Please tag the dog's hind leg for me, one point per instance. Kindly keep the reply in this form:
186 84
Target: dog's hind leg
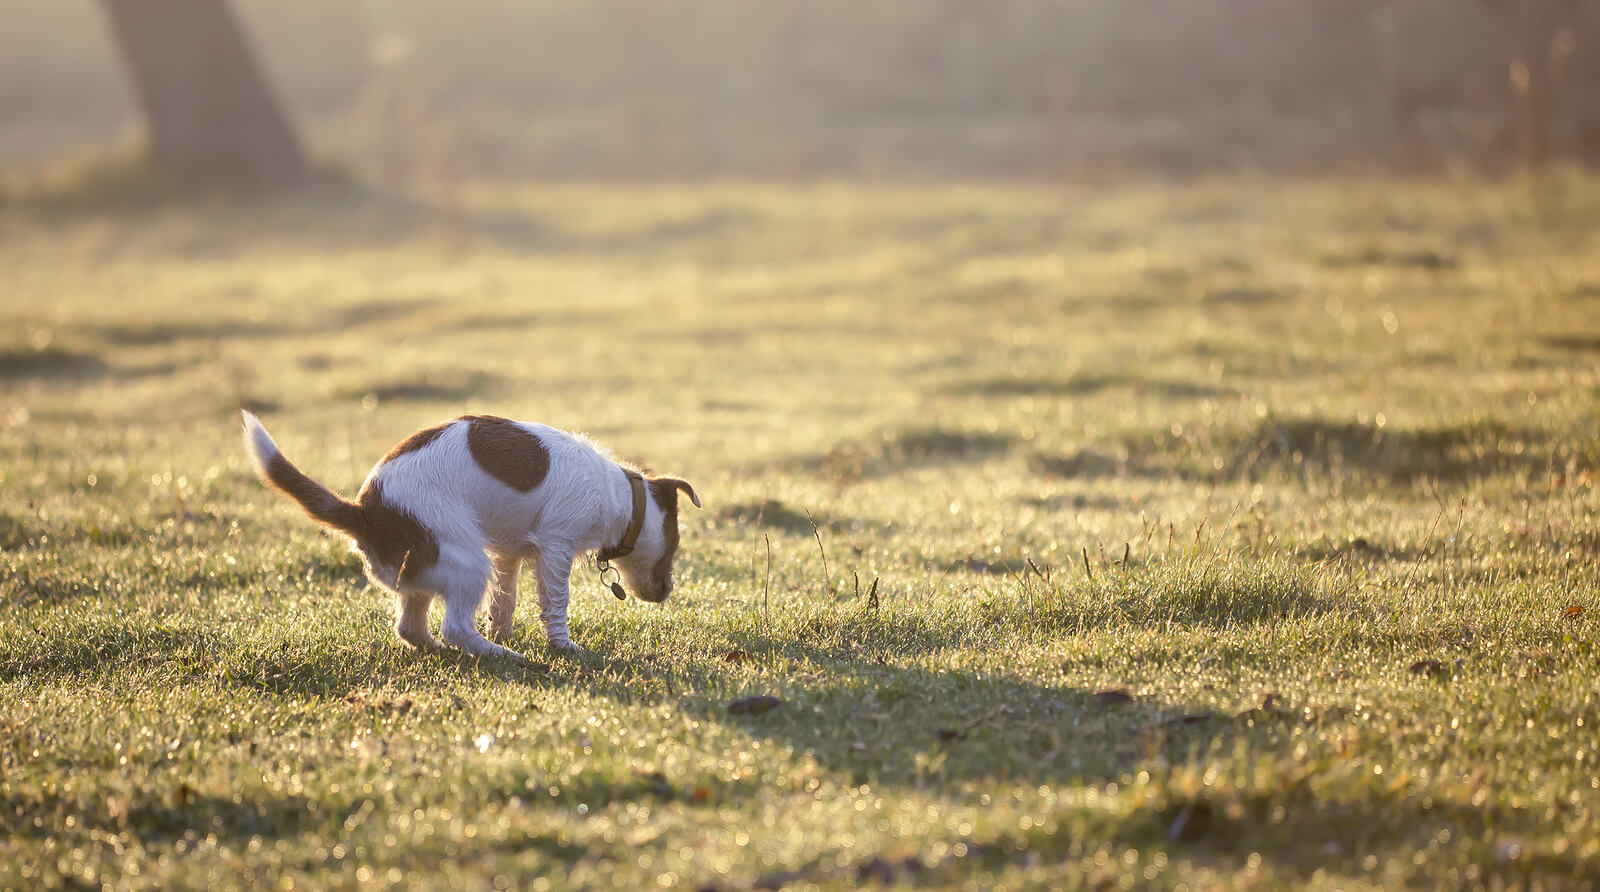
503 597
461 578
413 622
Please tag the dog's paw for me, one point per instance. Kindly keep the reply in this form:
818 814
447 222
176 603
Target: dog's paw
567 649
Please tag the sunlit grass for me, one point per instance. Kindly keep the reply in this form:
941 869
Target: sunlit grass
1229 534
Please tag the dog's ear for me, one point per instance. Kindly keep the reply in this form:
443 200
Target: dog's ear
683 485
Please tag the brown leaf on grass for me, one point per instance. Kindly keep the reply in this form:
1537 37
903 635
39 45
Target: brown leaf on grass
384 704
754 705
1113 697
737 656
1573 611
700 795
1430 668
948 734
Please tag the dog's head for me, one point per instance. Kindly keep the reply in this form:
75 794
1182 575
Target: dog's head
648 570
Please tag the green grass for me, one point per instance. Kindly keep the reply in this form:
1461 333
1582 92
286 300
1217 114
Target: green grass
1305 472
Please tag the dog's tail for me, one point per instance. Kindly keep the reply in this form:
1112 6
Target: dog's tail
320 502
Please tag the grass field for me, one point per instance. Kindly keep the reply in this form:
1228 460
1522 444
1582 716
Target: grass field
1239 534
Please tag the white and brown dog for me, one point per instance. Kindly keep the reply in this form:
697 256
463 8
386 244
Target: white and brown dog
460 505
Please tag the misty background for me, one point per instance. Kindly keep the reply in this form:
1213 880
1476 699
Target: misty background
905 89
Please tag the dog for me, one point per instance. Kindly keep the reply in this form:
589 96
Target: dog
456 508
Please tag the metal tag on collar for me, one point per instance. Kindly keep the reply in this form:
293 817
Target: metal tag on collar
604 566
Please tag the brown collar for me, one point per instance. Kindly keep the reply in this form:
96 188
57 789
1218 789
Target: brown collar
635 524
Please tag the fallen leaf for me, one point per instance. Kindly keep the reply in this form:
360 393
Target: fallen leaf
754 705
948 734
1573 611
736 656
1113 697
700 795
1432 668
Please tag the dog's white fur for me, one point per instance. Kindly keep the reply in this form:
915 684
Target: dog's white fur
485 529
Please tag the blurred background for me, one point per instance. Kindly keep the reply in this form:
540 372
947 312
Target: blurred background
409 90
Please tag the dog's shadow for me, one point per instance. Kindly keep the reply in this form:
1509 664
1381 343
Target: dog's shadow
899 724
892 719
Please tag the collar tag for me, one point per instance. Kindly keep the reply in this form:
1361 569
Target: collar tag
604 566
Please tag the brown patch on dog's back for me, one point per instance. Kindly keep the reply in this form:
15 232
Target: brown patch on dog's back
418 440
507 452
395 539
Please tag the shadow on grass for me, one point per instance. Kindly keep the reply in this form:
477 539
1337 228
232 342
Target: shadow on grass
1298 833
1313 447
333 211
1574 343
433 386
1085 464
772 514
101 646
868 718
163 333
13 532
903 729
904 450
1399 258
1083 385
333 319
164 818
1243 297
50 362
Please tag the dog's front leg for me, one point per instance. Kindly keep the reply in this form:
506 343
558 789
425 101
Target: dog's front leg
503 596
555 573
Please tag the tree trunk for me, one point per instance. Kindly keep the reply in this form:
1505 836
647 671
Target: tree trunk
210 113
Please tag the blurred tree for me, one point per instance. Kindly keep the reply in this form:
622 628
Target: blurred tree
210 113
1542 37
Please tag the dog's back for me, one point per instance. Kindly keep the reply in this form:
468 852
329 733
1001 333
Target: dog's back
489 481
448 485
